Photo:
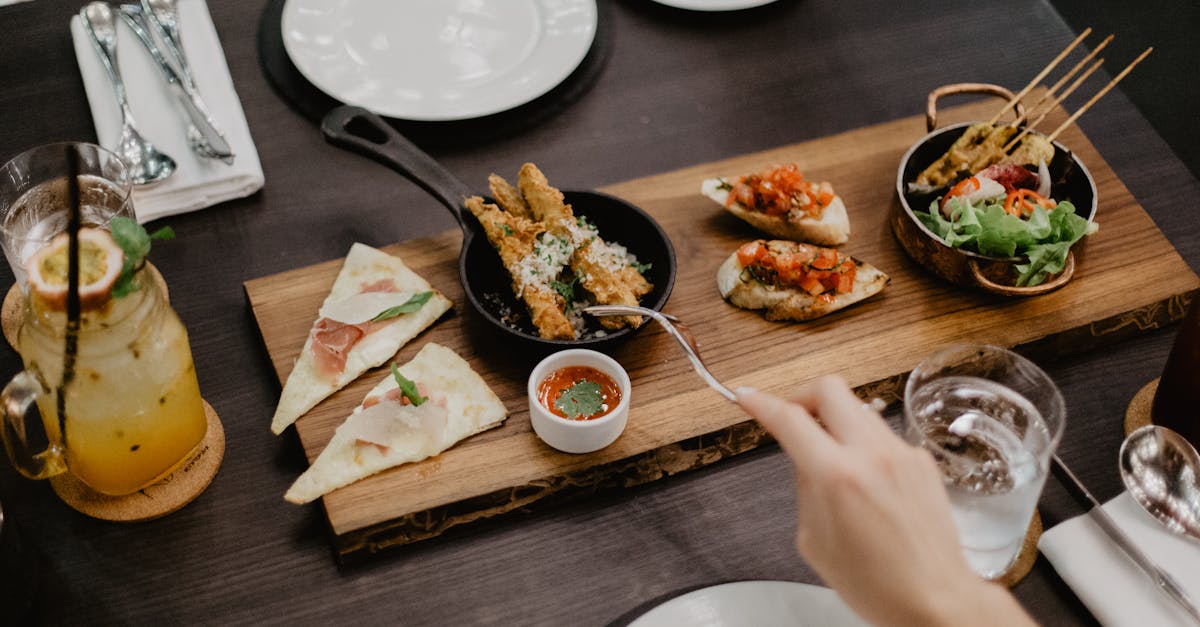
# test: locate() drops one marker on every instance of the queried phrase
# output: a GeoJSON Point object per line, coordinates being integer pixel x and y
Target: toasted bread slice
{"type": "Point", "coordinates": [832, 229]}
{"type": "Point", "coordinates": [790, 303]}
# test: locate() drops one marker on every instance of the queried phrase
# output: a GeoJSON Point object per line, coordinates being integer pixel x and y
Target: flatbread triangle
{"type": "Point", "coordinates": [307, 385]}
{"type": "Point", "coordinates": [448, 381]}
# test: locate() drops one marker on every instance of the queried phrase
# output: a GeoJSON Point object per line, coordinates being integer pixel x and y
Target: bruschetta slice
{"type": "Point", "coordinates": [793, 281]}
{"type": "Point", "coordinates": [780, 202]}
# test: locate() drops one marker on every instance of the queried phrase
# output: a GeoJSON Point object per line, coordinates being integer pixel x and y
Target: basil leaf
{"type": "Point", "coordinates": [407, 387]}
{"type": "Point", "coordinates": [413, 304]}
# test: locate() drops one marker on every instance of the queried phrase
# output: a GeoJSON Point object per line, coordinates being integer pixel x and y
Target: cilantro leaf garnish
{"type": "Point", "coordinates": [413, 304]}
{"type": "Point", "coordinates": [135, 242]}
{"type": "Point", "coordinates": [566, 289]}
{"type": "Point", "coordinates": [642, 268]}
{"type": "Point", "coordinates": [582, 399]}
{"type": "Point", "coordinates": [407, 387]}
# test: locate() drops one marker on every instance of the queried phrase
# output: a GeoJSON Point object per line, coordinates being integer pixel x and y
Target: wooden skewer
{"type": "Point", "coordinates": [1088, 104]}
{"type": "Point", "coordinates": [1070, 90]}
{"type": "Point", "coordinates": [1046, 70]}
{"type": "Point", "coordinates": [1066, 77]}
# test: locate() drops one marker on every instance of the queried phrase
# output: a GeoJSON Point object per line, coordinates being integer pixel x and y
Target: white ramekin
{"type": "Point", "coordinates": [579, 436]}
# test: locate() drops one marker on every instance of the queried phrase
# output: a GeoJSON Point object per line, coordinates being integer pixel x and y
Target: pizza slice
{"type": "Point", "coordinates": [417, 411]}
{"type": "Point", "coordinates": [795, 281]}
{"type": "Point", "coordinates": [781, 202]}
{"type": "Point", "coordinates": [375, 307]}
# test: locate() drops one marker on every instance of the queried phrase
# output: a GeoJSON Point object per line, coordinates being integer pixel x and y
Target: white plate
{"type": "Point", "coordinates": [435, 60]}
{"type": "Point", "coordinates": [760, 603]}
{"type": "Point", "coordinates": [714, 5]}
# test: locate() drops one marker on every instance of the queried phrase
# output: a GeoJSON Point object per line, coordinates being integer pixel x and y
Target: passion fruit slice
{"type": "Point", "coordinates": [100, 262]}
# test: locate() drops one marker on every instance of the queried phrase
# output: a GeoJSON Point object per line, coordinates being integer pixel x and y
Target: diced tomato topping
{"type": "Point", "coordinates": [814, 269]}
{"type": "Point", "coordinates": [780, 190]}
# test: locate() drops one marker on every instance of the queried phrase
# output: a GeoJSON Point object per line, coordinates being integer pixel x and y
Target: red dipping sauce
{"type": "Point", "coordinates": [558, 382]}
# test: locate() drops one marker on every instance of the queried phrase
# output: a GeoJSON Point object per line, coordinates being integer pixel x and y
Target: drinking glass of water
{"type": "Point", "coordinates": [992, 420]}
{"type": "Point", "coordinates": [34, 197]}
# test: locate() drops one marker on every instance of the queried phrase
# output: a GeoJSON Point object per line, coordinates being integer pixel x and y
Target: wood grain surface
{"type": "Point", "coordinates": [881, 338]}
{"type": "Point", "coordinates": [680, 89]}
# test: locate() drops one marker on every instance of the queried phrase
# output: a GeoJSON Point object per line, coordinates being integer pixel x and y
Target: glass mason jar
{"type": "Point", "coordinates": [133, 410]}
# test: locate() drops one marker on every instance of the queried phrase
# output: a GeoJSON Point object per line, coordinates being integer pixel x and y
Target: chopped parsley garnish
{"type": "Point", "coordinates": [413, 304]}
{"type": "Point", "coordinates": [407, 387]}
{"type": "Point", "coordinates": [582, 399]}
{"type": "Point", "coordinates": [135, 242]}
{"type": "Point", "coordinates": [507, 229]}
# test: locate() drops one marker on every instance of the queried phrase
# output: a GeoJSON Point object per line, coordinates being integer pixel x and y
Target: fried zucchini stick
{"type": "Point", "coordinates": [516, 238]}
{"type": "Point", "coordinates": [600, 269]}
{"type": "Point", "coordinates": [508, 197]}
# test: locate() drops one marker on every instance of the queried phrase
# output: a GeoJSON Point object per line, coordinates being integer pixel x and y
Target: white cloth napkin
{"type": "Point", "coordinates": [1115, 590]}
{"type": "Point", "coordinates": [198, 182]}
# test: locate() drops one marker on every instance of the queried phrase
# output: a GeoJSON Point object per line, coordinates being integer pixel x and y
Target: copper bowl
{"type": "Point", "coordinates": [1072, 182]}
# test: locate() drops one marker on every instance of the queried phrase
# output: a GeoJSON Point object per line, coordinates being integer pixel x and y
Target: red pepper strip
{"type": "Point", "coordinates": [961, 189]}
{"type": "Point", "coordinates": [1017, 203]}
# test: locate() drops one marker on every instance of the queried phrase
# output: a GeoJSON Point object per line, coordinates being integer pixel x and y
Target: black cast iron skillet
{"type": "Point", "coordinates": [487, 284]}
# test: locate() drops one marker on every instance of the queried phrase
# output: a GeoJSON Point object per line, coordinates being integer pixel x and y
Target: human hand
{"type": "Point", "coordinates": [873, 518]}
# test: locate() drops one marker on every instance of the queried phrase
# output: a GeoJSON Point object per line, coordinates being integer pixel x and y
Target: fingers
{"type": "Point", "coordinates": [790, 424]}
{"type": "Point", "coordinates": [843, 414]}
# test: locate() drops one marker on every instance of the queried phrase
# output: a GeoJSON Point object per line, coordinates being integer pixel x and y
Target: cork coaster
{"type": "Point", "coordinates": [12, 312]}
{"type": "Point", "coordinates": [1027, 556]}
{"type": "Point", "coordinates": [165, 497]}
{"type": "Point", "coordinates": [1137, 415]}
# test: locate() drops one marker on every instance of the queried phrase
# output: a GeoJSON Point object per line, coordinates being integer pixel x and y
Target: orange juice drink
{"type": "Point", "coordinates": [133, 410]}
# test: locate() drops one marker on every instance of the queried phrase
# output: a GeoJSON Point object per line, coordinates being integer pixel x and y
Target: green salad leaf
{"type": "Point", "coordinates": [1043, 238]}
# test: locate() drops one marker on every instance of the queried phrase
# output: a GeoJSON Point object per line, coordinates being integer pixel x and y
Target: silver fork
{"type": "Point", "coordinates": [676, 329]}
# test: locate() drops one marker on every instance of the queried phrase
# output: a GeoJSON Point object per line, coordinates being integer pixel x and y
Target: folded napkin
{"type": "Point", "coordinates": [197, 182]}
{"type": "Point", "coordinates": [1109, 583]}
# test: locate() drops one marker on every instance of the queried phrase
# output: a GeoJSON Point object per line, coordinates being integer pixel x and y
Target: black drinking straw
{"type": "Point", "coordinates": [74, 222]}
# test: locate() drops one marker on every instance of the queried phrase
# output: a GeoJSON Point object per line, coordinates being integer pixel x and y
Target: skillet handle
{"type": "Point", "coordinates": [965, 88]}
{"type": "Point", "coordinates": [365, 133]}
{"type": "Point", "coordinates": [1036, 290]}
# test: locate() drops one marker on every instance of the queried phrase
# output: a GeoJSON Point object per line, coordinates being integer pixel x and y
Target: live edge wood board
{"type": "Point", "coordinates": [1129, 279]}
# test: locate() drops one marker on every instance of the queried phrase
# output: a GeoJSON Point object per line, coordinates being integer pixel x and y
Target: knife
{"type": "Point", "coordinates": [211, 142]}
{"type": "Point", "coordinates": [1164, 581]}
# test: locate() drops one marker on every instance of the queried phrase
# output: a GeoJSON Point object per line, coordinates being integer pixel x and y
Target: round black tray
{"type": "Point", "coordinates": [313, 103]}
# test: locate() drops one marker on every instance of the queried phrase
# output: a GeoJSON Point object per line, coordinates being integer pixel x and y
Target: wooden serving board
{"type": "Point", "coordinates": [676, 423]}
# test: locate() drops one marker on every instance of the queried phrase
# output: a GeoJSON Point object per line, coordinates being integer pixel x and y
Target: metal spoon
{"type": "Point", "coordinates": [147, 164]}
{"type": "Point", "coordinates": [1162, 472]}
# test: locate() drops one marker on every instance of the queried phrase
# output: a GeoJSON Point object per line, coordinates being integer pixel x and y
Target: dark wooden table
{"type": "Point", "coordinates": [679, 89]}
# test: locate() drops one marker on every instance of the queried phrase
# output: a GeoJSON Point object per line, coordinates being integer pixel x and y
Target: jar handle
{"type": "Point", "coordinates": [988, 89]}
{"type": "Point", "coordinates": [18, 395]}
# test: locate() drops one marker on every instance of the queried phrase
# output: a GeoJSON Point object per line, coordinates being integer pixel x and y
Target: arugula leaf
{"type": "Point", "coordinates": [135, 243]}
{"type": "Point", "coordinates": [409, 306]}
{"type": "Point", "coordinates": [582, 399]}
{"type": "Point", "coordinates": [407, 387]}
